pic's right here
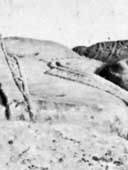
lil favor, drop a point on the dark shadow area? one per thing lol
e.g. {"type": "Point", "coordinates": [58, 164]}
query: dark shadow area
{"type": "Point", "coordinates": [4, 102]}
{"type": "Point", "coordinates": [109, 73]}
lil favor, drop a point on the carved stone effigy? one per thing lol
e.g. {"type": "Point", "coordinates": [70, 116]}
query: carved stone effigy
{"type": "Point", "coordinates": [56, 77]}
{"type": "Point", "coordinates": [60, 114]}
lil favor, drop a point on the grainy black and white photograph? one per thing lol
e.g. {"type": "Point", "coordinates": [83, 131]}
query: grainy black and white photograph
{"type": "Point", "coordinates": [63, 85]}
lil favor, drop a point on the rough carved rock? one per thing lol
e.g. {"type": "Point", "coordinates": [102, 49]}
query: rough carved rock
{"type": "Point", "coordinates": [81, 118]}
{"type": "Point", "coordinates": [112, 54]}
{"type": "Point", "coordinates": [109, 51]}
{"type": "Point", "coordinates": [71, 84]}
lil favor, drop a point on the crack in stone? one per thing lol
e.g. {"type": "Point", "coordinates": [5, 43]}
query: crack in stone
{"type": "Point", "coordinates": [15, 69]}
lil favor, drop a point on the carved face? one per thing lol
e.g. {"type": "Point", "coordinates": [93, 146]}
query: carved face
{"type": "Point", "coordinates": [117, 73]}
